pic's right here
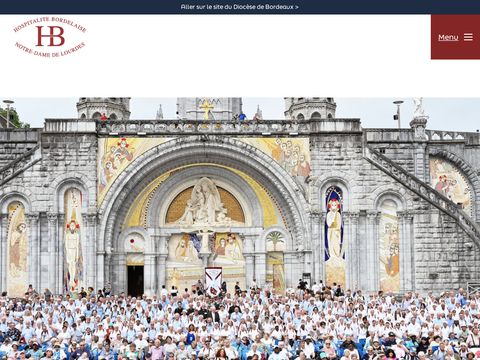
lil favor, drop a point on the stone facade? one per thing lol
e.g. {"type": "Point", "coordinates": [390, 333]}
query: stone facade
{"type": "Point", "coordinates": [437, 242]}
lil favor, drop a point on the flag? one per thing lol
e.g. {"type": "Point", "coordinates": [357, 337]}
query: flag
{"type": "Point", "coordinates": [195, 242]}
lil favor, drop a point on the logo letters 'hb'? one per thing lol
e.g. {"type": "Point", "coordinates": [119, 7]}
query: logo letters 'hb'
{"type": "Point", "coordinates": [55, 32]}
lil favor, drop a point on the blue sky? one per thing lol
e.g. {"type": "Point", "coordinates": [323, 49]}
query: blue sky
{"type": "Point", "coordinates": [461, 114]}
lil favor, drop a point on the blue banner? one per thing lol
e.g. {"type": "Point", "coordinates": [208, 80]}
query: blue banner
{"type": "Point", "coordinates": [53, 7]}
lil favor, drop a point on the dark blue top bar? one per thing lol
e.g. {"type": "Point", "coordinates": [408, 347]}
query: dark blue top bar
{"type": "Point", "coordinates": [202, 7]}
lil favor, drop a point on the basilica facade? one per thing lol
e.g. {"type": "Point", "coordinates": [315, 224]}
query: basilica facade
{"type": "Point", "coordinates": [139, 204]}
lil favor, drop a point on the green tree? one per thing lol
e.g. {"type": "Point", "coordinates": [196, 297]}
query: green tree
{"type": "Point", "coordinates": [14, 118]}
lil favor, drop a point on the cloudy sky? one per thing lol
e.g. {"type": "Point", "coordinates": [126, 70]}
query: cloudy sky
{"type": "Point", "coordinates": [461, 114]}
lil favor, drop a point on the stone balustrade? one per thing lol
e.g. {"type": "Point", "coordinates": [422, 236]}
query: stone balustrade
{"type": "Point", "coordinates": [470, 138]}
{"type": "Point", "coordinates": [20, 164]}
{"type": "Point", "coordinates": [196, 127]}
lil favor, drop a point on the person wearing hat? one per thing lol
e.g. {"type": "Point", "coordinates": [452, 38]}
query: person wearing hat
{"type": "Point", "coordinates": [34, 350]}
{"type": "Point", "coordinates": [369, 355]}
{"type": "Point", "coordinates": [48, 354]}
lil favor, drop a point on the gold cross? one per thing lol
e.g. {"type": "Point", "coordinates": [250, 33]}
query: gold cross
{"type": "Point", "coordinates": [206, 107]}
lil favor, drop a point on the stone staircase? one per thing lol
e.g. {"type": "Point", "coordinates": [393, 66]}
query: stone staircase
{"type": "Point", "coordinates": [425, 191]}
{"type": "Point", "coordinates": [19, 164]}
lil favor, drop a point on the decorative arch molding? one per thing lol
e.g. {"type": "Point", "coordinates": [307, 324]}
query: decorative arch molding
{"type": "Point", "coordinates": [386, 193]}
{"type": "Point", "coordinates": [200, 149]}
{"type": "Point", "coordinates": [127, 233]}
{"type": "Point", "coordinates": [65, 181]}
{"type": "Point", "coordinates": [231, 182]}
{"type": "Point", "coordinates": [466, 168]}
{"type": "Point", "coordinates": [340, 182]}
{"type": "Point", "coordinates": [59, 204]}
{"type": "Point", "coordinates": [15, 196]}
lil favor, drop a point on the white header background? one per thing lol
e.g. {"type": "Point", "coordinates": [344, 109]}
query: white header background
{"type": "Point", "coordinates": [244, 55]}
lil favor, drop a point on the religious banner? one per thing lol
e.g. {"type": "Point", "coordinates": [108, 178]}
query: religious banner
{"type": "Point", "coordinates": [73, 232]}
{"type": "Point", "coordinates": [389, 247]}
{"type": "Point", "coordinates": [115, 154]}
{"type": "Point", "coordinates": [17, 250]}
{"type": "Point", "coordinates": [334, 243]}
{"type": "Point", "coordinates": [213, 280]}
{"type": "Point", "coordinates": [293, 154]}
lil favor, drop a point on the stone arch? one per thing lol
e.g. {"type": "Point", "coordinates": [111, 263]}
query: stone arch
{"type": "Point", "coordinates": [233, 183]}
{"type": "Point", "coordinates": [272, 229]}
{"type": "Point", "coordinates": [15, 196]}
{"type": "Point", "coordinates": [397, 195]}
{"type": "Point", "coordinates": [340, 182]}
{"type": "Point", "coordinates": [113, 116]}
{"type": "Point", "coordinates": [63, 182]}
{"type": "Point", "coordinates": [96, 115]}
{"type": "Point", "coordinates": [193, 150]}
{"type": "Point", "coordinates": [467, 169]}
{"type": "Point", "coordinates": [300, 117]}
{"type": "Point", "coordinates": [149, 244]}
{"type": "Point", "coordinates": [316, 115]}
{"type": "Point", "coordinates": [400, 264]}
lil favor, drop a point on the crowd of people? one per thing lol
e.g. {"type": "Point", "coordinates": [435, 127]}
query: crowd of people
{"type": "Point", "coordinates": [314, 322]}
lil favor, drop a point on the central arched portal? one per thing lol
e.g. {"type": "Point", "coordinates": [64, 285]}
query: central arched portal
{"type": "Point", "coordinates": [203, 206]}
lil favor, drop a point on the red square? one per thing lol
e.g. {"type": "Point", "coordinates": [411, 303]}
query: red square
{"type": "Point", "coordinates": [455, 37]}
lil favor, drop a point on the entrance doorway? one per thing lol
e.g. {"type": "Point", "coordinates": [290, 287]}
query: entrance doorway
{"type": "Point", "coordinates": [135, 280]}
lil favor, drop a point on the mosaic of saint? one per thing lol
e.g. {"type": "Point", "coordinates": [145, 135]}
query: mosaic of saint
{"type": "Point", "coordinates": [292, 154]}
{"type": "Point", "coordinates": [275, 261]}
{"type": "Point", "coordinates": [73, 240]}
{"type": "Point", "coordinates": [448, 180]}
{"type": "Point", "coordinates": [389, 247]}
{"type": "Point", "coordinates": [115, 154]}
{"type": "Point", "coordinates": [227, 249]}
{"type": "Point", "coordinates": [184, 267]}
{"type": "Point", "coordinates": [17, 238]}
{"type": "Point", "coordinates": [334, 243]}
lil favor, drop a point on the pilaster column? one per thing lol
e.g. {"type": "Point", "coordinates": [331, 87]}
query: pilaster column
{"type": "Point", "coordinates": [373, 257]}
{"type": "Point", "coordinates": [33, 251]}
{"type": "Point", "coordinates": [321, 248]}
{"type": "Point", "coordinates": [407, 253]}
{"type": "Point", "coordinates": [248, 254]}
{"type": "Point", "coordinates": [90, 249]}
{"type": "Point", "coordinates": [260, 268]}
{"type": "Point", "coordinates": [162, 253]}
{"type": "Point", "coordinates": [121, 270]}
{"type": "Point", "coordinates": [52, 251]}
{"type": "Point", "coordinates": [161, 271]}
{"type": "Point", "coordinates": [3, 251]}
{"type": "Point", "coordinates": [60, 244]}
{"type": "Point", "coordinates": [353, 250]}
{"type": "Point", "coordinates": [420, 157]}
{"type": "Point", "coordinates": [314, 220]}
{"type": "Point", "coordinates": [149, 274]}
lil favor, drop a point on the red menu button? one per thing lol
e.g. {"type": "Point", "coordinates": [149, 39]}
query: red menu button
{"type": "Point", "coordinates": [455, 37]}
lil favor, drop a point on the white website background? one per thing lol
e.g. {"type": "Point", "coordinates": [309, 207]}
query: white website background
{"type": "Point", "coordinates": [342, 55]}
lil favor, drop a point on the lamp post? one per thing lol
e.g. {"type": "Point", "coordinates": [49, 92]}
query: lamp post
{"type": "Point", "coordinates": [397, 115]}
{"type": "Point", "coordinates": [8, 103]}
